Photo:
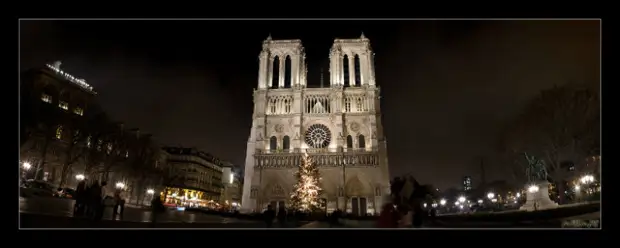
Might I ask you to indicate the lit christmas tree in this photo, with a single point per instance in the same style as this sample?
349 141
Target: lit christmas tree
306 191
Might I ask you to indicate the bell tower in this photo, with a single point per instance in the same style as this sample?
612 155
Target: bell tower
352 63
282 64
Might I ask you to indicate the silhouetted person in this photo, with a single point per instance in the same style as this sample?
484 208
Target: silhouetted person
102 193
433 214
119 204
157 207
389 216
269 215
334 218
94 199
80 193
417 198
406 216
282 217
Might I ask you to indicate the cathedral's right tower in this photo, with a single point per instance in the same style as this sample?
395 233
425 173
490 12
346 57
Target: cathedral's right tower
338 125
352 69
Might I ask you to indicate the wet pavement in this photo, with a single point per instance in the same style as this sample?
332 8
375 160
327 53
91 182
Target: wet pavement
57 207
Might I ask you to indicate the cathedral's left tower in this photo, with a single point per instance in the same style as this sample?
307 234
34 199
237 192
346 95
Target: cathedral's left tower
282 70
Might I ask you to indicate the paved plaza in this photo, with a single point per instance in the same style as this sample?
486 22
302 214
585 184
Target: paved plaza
39 212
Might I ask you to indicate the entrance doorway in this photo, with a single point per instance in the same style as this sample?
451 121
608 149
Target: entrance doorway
359 206
276 205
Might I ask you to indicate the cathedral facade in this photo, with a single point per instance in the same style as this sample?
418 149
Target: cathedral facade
339 126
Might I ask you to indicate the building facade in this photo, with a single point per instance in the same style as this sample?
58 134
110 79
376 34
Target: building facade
54 106
196 178
467 186
233 186
338 125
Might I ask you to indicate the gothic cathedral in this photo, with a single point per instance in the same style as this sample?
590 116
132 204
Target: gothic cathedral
338 125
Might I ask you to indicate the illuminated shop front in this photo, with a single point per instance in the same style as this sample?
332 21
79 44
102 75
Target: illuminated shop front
190 198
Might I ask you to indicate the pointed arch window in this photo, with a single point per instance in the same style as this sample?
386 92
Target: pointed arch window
286 143
349 141
362 141
287 72
357 68
345 70
273 143
275 72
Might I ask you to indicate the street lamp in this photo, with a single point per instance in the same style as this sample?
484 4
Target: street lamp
532 189
587 179
442 202
462 199
150 191
491 195
480 201
79 177
120 185
577 187
27 165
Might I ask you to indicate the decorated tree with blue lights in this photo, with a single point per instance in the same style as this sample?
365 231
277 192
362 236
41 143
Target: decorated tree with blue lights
306 191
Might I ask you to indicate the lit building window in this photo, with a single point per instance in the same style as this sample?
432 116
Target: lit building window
63 105
59 132
46 98
78 111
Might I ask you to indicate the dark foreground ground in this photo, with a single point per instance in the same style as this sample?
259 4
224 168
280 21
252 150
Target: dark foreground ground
49 221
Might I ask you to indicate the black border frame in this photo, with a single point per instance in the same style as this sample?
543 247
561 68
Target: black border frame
523 237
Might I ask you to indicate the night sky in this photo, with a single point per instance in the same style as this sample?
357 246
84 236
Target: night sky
447 86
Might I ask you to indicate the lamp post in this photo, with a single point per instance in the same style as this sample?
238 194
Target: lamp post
25 168
150 192
461 200
80 177
120 185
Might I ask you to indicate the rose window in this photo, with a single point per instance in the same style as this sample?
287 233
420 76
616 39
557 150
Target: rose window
318 136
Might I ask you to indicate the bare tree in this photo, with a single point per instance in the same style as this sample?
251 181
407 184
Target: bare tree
168 177
559 126
81 129
91 152
115 149
142 163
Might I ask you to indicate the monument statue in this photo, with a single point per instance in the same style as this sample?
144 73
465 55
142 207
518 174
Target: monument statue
536 170
538 189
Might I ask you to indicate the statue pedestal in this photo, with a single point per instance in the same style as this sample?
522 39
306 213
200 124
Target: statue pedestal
539 199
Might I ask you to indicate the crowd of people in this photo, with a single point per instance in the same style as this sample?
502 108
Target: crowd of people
90 200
